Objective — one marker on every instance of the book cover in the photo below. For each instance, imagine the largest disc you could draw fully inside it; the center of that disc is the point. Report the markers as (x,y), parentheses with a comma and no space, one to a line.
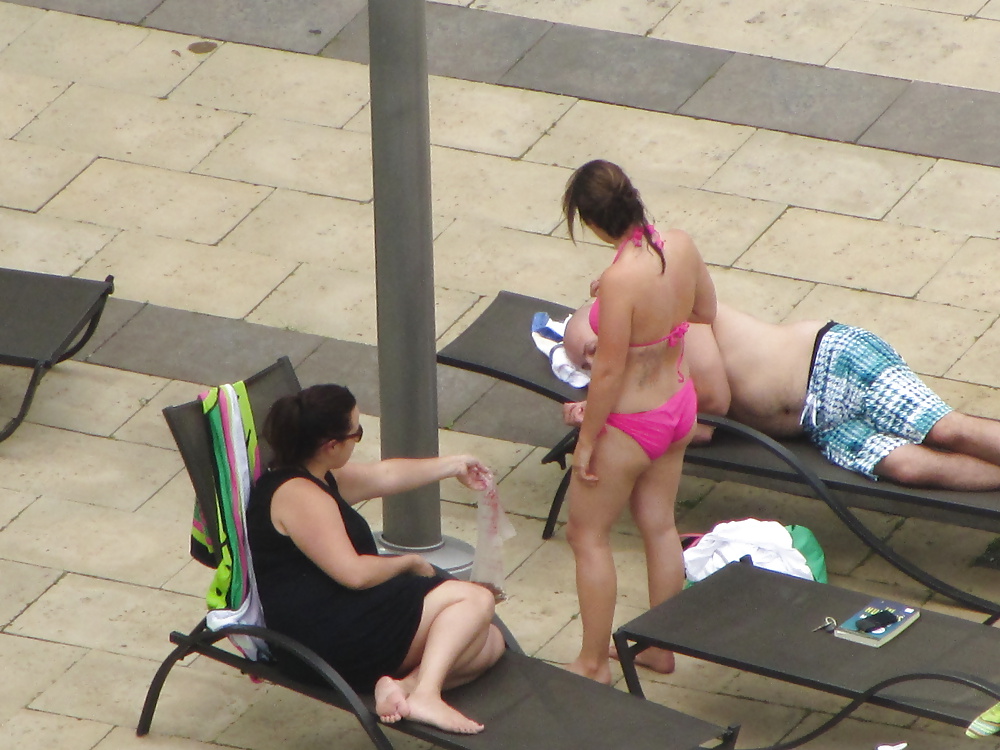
(848,629)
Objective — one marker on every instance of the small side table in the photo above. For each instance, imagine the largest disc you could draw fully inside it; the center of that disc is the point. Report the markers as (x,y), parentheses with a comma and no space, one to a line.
(763,622)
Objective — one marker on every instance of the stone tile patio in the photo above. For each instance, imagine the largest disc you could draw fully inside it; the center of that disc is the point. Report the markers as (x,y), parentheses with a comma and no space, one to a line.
(228,189)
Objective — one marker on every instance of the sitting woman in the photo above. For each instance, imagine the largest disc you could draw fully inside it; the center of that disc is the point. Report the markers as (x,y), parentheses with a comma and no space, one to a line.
(387,624)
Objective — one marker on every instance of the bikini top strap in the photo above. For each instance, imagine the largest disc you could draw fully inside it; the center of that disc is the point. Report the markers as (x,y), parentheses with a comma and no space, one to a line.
(680,357)
(636,240)
(675,337)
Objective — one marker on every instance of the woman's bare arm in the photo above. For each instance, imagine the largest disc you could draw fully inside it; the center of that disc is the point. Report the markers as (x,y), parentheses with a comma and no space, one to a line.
(705,303)
(607,372)
(708,374)
(311,518)
(363,481)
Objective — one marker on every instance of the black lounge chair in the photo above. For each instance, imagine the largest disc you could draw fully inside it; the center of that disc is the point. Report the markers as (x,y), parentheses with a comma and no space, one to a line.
(45,319)
(498,344)
(524,702)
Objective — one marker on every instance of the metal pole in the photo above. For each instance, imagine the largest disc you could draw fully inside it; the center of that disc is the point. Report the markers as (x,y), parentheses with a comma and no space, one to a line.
(404,259)
(404,274)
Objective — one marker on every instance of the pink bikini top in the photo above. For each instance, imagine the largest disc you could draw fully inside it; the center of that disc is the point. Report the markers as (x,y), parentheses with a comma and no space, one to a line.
(676,335)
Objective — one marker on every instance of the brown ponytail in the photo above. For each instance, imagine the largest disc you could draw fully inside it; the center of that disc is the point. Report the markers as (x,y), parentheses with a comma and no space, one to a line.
(601,195)
(296,426)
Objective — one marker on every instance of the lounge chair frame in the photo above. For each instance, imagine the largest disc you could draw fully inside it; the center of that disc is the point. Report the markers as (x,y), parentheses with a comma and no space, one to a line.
(498,344)
(524,702)
(46,319)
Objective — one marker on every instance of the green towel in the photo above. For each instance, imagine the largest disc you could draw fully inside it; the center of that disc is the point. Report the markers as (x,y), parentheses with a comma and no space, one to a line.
(986,724)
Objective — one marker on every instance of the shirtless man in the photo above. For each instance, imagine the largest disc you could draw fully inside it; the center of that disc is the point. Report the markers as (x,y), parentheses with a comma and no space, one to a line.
(843,387)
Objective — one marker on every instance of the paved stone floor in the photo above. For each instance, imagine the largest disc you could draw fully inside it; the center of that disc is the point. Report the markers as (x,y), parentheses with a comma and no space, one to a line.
(832,158)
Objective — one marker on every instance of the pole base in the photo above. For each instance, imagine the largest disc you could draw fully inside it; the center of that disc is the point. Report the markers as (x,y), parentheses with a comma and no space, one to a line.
(451,554)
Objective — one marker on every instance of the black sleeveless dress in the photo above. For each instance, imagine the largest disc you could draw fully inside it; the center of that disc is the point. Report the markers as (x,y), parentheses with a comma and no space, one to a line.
(363,633)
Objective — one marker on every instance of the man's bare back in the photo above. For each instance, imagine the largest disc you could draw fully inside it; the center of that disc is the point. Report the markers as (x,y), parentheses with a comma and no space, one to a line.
(766,366)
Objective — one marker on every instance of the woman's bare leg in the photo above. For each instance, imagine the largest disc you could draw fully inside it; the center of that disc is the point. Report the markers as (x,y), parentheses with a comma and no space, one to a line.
(593,510)
(455,642)
(653,504)
(476,659)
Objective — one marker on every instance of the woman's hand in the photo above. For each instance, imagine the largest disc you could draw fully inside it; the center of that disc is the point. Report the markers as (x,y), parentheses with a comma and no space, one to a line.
(594,286)
(420,566)
(472,473)
(582,457)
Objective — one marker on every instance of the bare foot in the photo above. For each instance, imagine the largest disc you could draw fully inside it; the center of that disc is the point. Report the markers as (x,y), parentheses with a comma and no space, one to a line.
(600,673)
(658,659)
(434,711)
(390,701)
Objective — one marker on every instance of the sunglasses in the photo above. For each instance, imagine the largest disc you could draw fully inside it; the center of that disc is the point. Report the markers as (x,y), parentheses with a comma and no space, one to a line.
(357,435)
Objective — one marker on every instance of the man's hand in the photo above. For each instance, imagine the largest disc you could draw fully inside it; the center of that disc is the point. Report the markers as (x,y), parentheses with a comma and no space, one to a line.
(702,434)
(573,413)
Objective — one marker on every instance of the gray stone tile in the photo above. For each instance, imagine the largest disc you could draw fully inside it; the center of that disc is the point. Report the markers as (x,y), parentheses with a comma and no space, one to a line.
(348,363)
(794,97)
(507,412)
(356,365)
(117,312)
(351,43)
(461,42)
(616,68)
(293,25)
(942,121)
(126,11)
(199,348)
(458,390)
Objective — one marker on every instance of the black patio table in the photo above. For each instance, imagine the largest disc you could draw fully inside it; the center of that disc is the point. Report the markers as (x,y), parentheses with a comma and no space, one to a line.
(765,622)
(45,319)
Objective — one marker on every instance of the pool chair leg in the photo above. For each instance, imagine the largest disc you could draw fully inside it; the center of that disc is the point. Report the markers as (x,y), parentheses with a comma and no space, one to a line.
(156,686)
(557,501)
(36,376)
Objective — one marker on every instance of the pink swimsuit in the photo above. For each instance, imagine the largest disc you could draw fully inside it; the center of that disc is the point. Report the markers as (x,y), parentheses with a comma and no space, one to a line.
(657,429)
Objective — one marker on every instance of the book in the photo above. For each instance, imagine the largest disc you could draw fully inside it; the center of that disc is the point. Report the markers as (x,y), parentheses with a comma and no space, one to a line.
(905,616)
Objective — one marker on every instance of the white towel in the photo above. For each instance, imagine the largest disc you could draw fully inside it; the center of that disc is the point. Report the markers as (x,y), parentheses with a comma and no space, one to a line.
(768,543)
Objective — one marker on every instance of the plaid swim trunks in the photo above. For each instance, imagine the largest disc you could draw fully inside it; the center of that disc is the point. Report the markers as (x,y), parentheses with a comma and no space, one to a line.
(863,401)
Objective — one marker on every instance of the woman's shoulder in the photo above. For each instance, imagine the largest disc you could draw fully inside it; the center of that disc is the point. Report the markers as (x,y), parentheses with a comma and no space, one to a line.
(271,479)
(675,238)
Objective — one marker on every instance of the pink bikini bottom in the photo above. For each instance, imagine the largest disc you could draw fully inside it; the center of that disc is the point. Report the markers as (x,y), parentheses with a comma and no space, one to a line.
(656,430)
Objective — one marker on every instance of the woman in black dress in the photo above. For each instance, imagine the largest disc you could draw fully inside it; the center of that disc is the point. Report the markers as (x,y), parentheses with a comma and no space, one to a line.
(387,624)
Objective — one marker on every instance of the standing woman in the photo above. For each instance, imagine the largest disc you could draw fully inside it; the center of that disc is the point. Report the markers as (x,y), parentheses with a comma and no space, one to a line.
(641,404)
(387,624)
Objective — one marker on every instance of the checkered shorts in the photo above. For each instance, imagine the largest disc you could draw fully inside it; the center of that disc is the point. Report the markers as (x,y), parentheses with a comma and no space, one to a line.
(863,401)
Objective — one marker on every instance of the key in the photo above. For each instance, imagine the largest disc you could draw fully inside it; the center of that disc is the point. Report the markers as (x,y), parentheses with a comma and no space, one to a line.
(828,625)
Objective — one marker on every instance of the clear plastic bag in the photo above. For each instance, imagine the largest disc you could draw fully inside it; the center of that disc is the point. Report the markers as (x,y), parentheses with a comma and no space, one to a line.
(493,529)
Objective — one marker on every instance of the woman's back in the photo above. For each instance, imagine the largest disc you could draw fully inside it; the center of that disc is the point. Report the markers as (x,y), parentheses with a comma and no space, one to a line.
(658,302)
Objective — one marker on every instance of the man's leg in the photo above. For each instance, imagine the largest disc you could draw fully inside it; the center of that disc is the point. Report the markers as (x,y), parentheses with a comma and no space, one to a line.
(962,433)
(922,466)
(857,445)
